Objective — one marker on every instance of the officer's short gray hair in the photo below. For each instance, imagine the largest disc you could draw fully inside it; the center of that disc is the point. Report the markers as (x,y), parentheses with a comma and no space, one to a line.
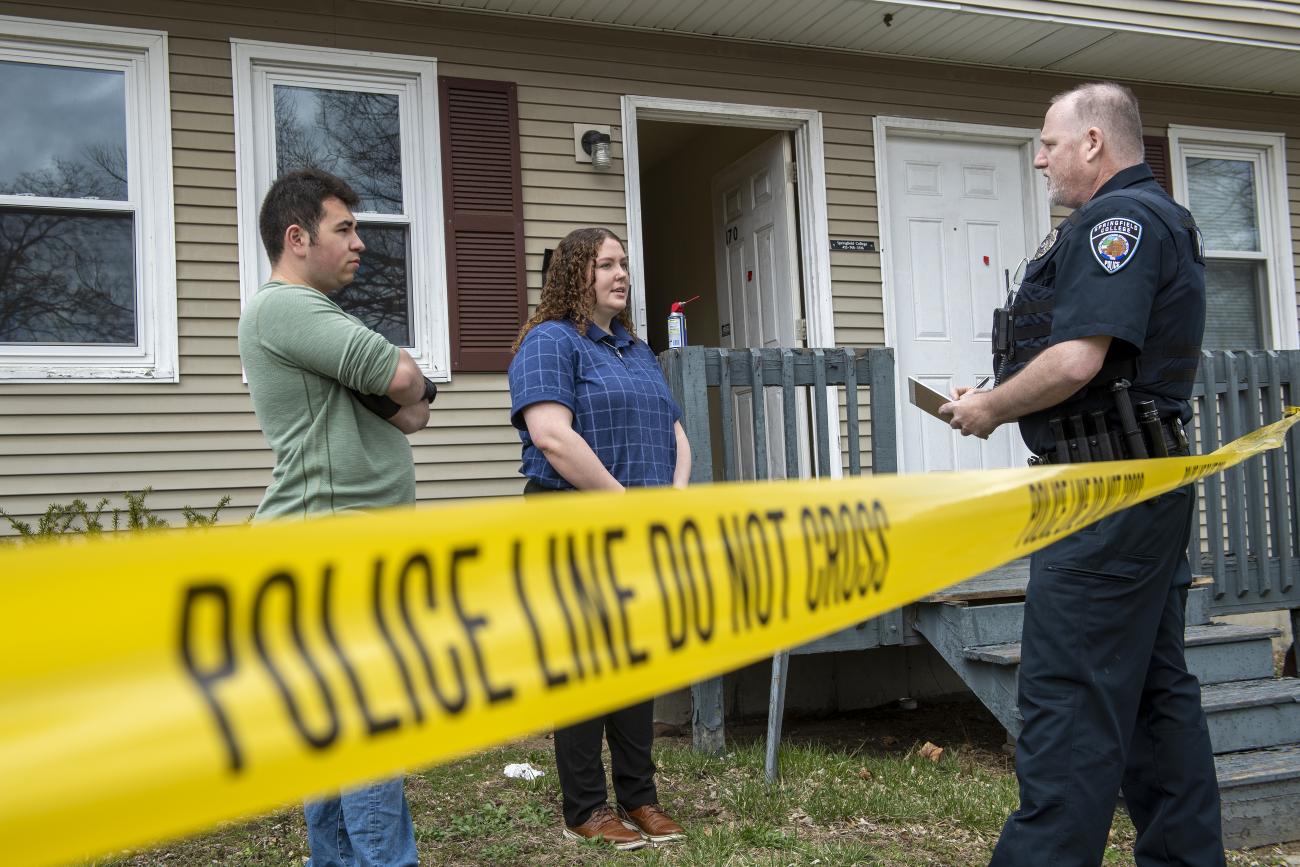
(1111,108)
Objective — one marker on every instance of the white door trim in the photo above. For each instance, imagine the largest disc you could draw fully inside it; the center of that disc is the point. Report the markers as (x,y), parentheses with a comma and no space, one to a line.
(810,192)
(1038,215)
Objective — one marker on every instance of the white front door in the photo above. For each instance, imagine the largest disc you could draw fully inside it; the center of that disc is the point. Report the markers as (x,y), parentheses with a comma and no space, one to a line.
(958,230)
(757,279)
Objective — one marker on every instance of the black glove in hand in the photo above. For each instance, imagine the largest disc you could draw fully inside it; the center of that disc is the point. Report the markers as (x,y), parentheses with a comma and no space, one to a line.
(385,407)
(380,404)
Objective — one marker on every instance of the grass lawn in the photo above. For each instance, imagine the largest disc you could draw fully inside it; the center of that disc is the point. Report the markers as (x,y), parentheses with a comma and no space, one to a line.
(850,794)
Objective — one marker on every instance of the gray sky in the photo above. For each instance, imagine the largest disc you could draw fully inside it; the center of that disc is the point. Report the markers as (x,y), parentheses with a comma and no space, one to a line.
(54,111)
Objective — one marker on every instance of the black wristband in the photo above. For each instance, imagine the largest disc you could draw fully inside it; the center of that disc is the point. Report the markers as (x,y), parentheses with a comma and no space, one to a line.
(430,390)
(380,404)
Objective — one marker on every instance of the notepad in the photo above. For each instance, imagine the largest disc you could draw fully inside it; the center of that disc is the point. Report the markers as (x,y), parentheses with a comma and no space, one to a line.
(926,399)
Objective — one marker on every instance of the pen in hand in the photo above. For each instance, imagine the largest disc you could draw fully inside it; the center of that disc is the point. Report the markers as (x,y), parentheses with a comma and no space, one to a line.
(976,387)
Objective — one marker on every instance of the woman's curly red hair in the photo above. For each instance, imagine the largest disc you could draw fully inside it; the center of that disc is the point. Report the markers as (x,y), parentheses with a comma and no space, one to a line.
(567,290)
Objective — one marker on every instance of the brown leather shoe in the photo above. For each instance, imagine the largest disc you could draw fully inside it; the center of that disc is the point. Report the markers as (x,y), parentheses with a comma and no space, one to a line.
(602,824)
(654,823)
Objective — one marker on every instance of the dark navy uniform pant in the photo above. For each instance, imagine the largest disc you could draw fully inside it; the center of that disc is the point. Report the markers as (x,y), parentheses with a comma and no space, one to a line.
(1107,700)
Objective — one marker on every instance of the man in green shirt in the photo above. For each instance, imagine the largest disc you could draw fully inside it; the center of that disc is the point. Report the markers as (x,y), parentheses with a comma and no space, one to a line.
(335,401)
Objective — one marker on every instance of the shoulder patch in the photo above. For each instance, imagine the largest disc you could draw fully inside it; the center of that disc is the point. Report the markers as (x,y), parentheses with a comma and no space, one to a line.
(1046,245)
(1114,241)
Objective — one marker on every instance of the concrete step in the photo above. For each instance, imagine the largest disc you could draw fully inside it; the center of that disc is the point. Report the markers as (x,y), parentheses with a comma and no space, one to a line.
(1260,793)
(1252,714)
(1216,652)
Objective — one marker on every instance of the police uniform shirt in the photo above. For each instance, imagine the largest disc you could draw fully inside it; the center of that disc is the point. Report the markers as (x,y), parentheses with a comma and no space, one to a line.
(1119,268)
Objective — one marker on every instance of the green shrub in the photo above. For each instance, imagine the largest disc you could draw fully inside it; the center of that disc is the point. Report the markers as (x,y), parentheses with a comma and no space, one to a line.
(76,518)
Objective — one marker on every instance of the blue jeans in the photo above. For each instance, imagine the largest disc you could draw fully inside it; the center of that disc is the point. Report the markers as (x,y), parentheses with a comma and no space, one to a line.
(366,827)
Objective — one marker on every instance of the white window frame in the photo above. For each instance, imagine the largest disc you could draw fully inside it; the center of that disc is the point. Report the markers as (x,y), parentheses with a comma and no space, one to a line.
(141,55)
(258,67)
(1267,152)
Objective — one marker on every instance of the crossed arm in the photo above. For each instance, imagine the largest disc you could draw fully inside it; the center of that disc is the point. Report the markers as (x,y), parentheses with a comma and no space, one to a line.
(405,405)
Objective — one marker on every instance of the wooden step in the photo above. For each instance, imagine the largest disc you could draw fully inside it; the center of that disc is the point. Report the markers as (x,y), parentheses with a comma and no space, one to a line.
(1004,583)
(1252,714)
(1248,653)
(975,625)
(1007,583)
(999,622)
(1228,633)
(1260,794)
(1224,652)
(1238,695)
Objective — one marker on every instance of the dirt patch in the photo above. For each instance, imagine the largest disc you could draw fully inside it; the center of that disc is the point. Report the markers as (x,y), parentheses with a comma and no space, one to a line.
(886,730)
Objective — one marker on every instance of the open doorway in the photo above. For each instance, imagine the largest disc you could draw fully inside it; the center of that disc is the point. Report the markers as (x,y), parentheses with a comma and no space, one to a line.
(714,211)
(735,128)
(719,225)
(679,163)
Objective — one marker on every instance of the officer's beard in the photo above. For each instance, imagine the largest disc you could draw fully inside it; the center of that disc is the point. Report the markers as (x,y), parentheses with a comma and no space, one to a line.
(1060,196)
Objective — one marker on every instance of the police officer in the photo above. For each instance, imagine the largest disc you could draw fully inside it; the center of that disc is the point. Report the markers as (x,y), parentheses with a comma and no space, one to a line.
(1115,293)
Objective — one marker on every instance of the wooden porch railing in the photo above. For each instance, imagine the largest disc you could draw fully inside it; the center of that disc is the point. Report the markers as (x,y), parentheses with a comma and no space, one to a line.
(1246,534)
(812,378)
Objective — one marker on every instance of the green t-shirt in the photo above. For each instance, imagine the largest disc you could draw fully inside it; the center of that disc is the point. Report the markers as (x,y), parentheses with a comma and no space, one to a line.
(302,353)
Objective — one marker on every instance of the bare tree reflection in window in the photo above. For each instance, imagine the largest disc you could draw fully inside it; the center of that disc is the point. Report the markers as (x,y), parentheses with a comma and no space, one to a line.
(357,136)
(380,294)
(349,133)
(99,174)
(1223,200)
(68,276)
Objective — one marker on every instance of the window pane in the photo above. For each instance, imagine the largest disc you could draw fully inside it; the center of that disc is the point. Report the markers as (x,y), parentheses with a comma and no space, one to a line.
(380,296)
(1222,194)
(64,131)
(1233,318)
(348,133)
(66,277)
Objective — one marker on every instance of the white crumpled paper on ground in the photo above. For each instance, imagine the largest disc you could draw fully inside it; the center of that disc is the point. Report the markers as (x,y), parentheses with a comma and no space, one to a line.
(523,771)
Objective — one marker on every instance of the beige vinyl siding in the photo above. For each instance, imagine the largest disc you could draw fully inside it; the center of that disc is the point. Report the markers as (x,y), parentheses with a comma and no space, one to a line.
(198,440)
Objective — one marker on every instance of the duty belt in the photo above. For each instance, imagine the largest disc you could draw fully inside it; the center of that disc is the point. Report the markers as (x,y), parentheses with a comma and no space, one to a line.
(1099,444)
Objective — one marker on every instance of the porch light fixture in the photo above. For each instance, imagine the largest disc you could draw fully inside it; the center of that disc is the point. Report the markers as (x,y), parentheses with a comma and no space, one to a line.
(596,143)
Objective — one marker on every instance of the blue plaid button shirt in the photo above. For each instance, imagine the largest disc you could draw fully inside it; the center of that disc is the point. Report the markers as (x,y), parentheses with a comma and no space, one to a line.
(616,391)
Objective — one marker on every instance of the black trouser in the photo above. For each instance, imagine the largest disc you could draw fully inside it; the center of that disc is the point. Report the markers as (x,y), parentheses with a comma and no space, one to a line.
(630,733)
(1108,702)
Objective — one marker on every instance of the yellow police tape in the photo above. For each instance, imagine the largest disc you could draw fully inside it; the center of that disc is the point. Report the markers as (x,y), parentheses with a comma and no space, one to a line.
(154,685)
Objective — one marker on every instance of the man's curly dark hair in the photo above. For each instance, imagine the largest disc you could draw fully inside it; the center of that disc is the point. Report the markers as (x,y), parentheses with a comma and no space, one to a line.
(567,287)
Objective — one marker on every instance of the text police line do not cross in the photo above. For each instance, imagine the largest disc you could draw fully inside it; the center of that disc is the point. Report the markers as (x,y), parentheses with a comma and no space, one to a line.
(287,659)
(439,647)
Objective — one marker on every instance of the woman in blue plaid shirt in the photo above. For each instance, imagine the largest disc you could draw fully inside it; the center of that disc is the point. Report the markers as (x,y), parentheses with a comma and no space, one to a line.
(594,413)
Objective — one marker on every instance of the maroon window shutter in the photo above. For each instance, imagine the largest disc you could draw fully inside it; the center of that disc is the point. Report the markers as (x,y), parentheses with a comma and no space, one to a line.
(1157,157)
(487,293)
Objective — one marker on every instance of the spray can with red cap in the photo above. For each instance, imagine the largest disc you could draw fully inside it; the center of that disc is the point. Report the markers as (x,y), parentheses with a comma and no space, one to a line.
(677,323)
